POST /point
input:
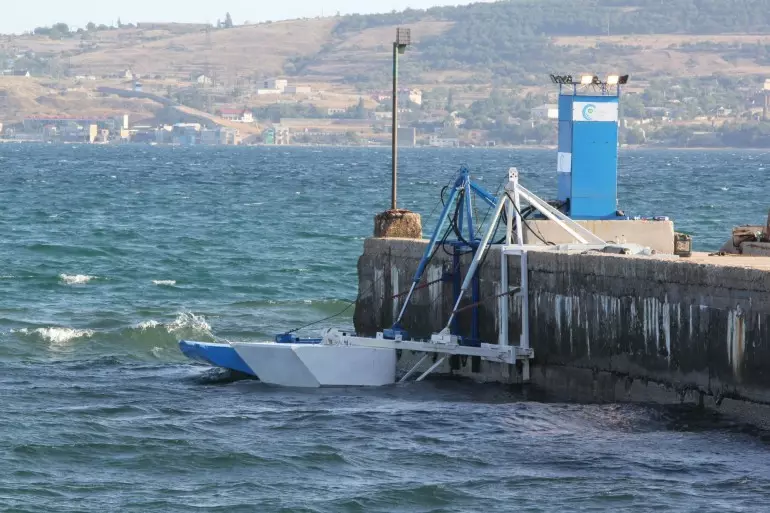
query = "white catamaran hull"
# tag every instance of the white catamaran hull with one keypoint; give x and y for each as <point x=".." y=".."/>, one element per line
<point x="318" y="365"/>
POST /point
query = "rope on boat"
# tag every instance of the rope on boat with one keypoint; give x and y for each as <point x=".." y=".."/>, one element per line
<point x="351" y="303"/>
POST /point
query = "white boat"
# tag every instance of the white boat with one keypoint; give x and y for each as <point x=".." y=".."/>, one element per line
<point x="318" y="365"/>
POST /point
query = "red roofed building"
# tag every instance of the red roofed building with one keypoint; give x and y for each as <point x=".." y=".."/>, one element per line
<point x="238" y="115"/>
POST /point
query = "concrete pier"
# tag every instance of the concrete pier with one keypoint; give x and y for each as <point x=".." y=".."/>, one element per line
<point x="603" y="327"/>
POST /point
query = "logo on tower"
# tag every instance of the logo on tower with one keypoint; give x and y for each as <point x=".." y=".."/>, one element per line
<point x="591" y="112"/>
<point x="588" y="112"/>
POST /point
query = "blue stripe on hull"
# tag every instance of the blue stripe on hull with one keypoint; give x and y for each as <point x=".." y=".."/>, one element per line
<point x="218" y="355"/>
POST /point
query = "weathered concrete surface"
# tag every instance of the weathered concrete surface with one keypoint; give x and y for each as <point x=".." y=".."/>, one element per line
<point x="603" y="327"/>
<point x="398" y="223"/>
<point x="756" y="249"/>
<point x="658" y="235"/>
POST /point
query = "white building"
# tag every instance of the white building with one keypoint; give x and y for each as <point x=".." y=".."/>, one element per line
<point x="547" y="111"/>
<point x="266" y="92"/>
<point x="203" y="80"/>
<point x="276" y="83"/>
<point x="237" y="115"/>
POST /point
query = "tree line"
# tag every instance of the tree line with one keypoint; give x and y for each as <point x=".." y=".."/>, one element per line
<point x="513" y="37"/>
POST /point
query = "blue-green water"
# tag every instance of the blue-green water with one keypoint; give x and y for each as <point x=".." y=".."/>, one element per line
<point x="109" y="255"/>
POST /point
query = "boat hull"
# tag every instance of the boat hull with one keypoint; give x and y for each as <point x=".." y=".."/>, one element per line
<point x="318" y="365"/>
<point x="216" y="354"/>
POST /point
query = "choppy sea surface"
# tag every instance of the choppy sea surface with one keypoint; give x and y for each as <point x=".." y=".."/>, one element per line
<point x="109" y="255"/>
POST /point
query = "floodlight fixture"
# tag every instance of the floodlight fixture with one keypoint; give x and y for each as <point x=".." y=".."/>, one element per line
<point x="403" y="38"/>
<point x="561" y="79"/>
<point x="623" y="80"/>
<point x="587" y="79"/>
<point x="613" y="80"/>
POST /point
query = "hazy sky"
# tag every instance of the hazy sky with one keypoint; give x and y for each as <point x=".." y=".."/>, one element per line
<point x="26" y="15"/>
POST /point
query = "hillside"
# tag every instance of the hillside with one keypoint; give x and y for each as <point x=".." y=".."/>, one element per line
<point x="522" y="36"/>
<point x="473" y="49"/>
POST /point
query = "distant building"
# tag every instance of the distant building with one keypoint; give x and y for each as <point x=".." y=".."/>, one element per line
<point x="128" y="74"/>
<point x="333" y="111"/>
<point x="21" y="73"/>
<point x="297" y="89"/>
<point x="276" y="83"/>
<point x="265" y="92"/>
<point x="237" y="115"/>
<point x="203" y="80"/>
<point x="277" y="134"/>
<point x="221" y="136"/>
<point x="443" y="142"/>
<point x="547" y="111"/>
<point x="185" y="134"/>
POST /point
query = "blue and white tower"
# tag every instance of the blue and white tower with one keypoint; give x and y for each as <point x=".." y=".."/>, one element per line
<point x="587" y="164"/>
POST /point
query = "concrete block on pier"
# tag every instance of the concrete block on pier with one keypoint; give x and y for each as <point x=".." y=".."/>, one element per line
<point x="657" y="235"/>
<point x="761" y="249"/>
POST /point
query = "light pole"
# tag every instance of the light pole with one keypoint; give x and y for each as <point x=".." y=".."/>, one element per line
<point x="403" y="39"/>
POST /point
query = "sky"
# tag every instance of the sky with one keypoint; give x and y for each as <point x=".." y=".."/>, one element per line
<point x="26" y="15"/>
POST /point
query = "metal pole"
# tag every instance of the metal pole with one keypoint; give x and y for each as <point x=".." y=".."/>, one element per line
<point x="395" y="126"/>
<point x="504" y="281"/>
<point x="432" y="368"/>
<point x="503" y="300"/>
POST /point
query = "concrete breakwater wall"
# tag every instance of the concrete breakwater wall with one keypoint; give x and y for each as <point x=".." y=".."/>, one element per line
<point x="603" y="327"/>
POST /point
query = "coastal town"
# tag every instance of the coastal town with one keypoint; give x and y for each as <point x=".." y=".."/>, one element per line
<point x="124" y="84"/>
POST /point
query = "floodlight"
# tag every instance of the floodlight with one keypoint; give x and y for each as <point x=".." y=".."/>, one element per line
<point x="623" y="80"/>
<point x="561" y="79"/>
<point x="587" y="80"/>
<point x="403" y="36"/>
<point x="613" y="80"/>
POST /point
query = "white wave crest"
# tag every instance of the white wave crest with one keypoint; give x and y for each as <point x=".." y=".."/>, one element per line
<point x="57" y="335"/>
<point x="146" y="325"/>
<point x="76" y="279"/>
<point x="167" y="283"/>
<point x="189" y="321"/>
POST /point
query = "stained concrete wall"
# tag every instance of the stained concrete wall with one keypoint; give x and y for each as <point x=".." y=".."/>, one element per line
<point x="603" y="327"/>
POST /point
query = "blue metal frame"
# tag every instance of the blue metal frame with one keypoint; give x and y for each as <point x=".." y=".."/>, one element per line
<point x="468" y="230"/>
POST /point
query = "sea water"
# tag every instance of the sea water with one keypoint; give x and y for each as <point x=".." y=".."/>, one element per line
<point x="109" y="255"/>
